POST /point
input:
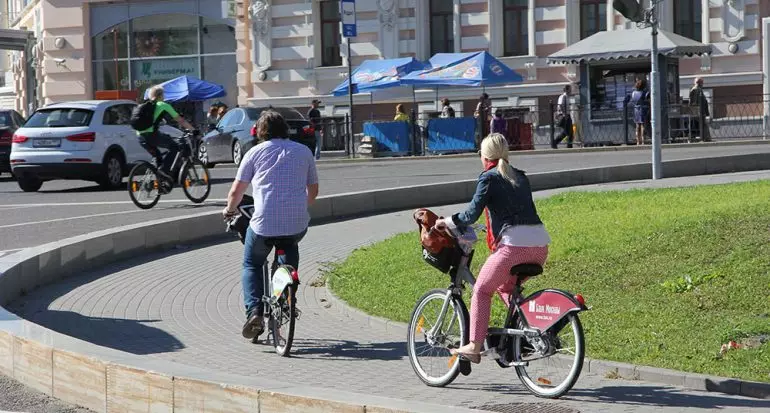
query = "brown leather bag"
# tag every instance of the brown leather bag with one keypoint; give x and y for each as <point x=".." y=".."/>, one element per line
<point x="431" y="239"/>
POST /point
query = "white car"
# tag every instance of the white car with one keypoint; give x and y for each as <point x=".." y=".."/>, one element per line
<point x="88" y="140"/>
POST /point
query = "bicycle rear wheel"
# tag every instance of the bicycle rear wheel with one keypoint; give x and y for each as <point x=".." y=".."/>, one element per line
<point x="282" y="321"/>
<point x="555" y="359"/>
<point x="195" y="181"/>
<point x="144" y="185"/>
<point x="428" y="344"/>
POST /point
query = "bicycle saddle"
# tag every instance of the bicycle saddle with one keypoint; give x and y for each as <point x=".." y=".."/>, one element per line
<point x="526" y="270"/>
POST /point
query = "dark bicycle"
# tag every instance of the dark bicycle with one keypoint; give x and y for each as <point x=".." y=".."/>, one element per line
<point x="280" y="281"/>
<point x="146" y="183"/>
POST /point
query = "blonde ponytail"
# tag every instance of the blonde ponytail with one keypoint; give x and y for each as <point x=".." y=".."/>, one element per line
<point x="495" y="148"/>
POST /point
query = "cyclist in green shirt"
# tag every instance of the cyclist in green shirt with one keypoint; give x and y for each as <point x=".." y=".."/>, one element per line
<point x="151" y="138"/>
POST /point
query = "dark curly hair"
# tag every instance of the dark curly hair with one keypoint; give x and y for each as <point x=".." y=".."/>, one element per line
<point x="271" y="125"/>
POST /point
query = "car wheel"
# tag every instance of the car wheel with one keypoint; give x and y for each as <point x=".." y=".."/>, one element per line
<point x="203" y="156"/>
<point x="29" y="183"/>
<point x="237" y="153"/>
<point x="112" y="174"/>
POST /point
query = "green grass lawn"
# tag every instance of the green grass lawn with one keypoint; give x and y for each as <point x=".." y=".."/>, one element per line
<point x="671" y="274"/>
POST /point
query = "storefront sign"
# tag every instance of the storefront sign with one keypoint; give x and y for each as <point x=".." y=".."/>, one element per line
<point x="147" y="72"/>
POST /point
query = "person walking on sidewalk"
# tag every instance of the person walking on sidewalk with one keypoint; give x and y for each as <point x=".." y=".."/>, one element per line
<point x="498" y="124"/>
<point x="314" y="116"/>
<point x="284" y="182"/>
<point x="698" y="99"/>
<point x="640" y="98"/>
<point x="563" y="119"/>
<point x="515" y="234"/>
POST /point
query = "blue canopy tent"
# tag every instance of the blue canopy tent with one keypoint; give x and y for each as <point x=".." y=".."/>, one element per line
<point x="379" y="74"/>
<point x="189" y="89"/>
<point x="459" y="69"/>
<point x="463" y="69"/>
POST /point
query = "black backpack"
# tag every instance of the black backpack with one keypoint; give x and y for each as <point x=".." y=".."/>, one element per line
<point x="143" y="116"/>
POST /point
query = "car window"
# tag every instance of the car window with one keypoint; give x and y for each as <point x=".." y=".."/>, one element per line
<point x="111" y="116"/>
<point x="6" y="119"/>
<point x="227" y="120"/>
<point x="60" y="118"/>
<point x="19" y="119"/>
<point x="238" y="117"/>
<point x="124" y="113"/>
<point x="289" y="113"/>
<point x="253" y="113"/>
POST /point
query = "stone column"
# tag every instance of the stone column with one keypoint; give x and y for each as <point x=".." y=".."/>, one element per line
<point x="610" y="16"/>
<point x="387" y="13"/>
<point x="243" y="48"/>
<point x="705" y="16"/>
<point x="496" y="45"/>
<point x="457" y="29"/>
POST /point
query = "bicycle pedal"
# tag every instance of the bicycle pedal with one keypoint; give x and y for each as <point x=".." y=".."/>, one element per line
<point x="465" y="367"/>
<point x="297" y="313"/>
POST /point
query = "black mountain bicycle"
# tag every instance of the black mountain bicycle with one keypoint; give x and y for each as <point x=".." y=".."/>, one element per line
<point x="146" y="183"/>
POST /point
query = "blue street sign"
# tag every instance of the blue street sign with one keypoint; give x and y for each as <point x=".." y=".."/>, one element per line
<point x="348" y="14"/>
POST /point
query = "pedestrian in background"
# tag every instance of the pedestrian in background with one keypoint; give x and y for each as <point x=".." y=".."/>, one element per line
<point x="447" y="111"/>
<point x="563" y="120"/>
<point x="314" y="116"/>
<point x="212" y="118"/>
<point x="401" y="115"/>
<point x="698" y="99"/>
<point x="498" y="124"/>
<point x="640" y="98"/>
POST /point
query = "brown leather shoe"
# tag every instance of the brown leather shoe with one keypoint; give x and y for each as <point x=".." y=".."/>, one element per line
<point x="253" y="327"/>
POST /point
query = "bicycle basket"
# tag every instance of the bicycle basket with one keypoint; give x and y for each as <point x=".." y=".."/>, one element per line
<point x="443" y="260"/>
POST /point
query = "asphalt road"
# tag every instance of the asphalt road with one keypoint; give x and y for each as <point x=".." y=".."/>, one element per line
<point x="64" y="209"/>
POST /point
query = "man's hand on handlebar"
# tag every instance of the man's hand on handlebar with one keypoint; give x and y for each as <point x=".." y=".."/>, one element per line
<point x="228" y="214"/>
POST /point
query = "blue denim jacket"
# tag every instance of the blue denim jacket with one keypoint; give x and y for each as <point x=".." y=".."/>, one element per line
<point x="508" y="205"/>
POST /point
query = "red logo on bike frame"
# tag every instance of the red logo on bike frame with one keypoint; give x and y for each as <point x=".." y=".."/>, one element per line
<point x="545" y="308"/>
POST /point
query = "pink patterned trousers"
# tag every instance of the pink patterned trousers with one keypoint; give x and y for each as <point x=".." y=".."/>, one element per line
<point x="494" y="277"/>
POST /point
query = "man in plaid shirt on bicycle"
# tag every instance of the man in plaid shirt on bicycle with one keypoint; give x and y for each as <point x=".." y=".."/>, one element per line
<point x="284" y="181"/>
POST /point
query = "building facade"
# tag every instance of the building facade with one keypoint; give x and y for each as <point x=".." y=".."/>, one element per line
<point x="285" y="52"/>
<point x="294" y="50"/>
<point x="85" y="46"/>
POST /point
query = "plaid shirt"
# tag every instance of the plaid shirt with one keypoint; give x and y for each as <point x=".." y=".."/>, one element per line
<point x="279" y="171"/>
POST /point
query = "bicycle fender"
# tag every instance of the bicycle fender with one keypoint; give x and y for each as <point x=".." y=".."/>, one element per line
<point x="281" y="279"/>
<point x="545" y="308"/>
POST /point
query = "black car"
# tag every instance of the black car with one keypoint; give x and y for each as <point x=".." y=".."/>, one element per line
<point x="233" y="135"/>
<point x="10" y="120"/>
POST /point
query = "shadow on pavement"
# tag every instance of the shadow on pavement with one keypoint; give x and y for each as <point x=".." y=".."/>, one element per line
<point x="97" y="188"/>
<point x="132" y="336"/>
<point x="664" y="397"/>
<point x="348" y="350"/>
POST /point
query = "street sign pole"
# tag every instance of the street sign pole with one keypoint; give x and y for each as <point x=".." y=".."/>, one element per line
<point x="349" y="30"/>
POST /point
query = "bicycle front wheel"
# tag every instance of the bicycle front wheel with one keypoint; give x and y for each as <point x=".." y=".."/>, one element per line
<point x="554" y="360"/>
<point x="282" y="320"/>
<point x="144" y="185"/>
<point x="429" y="343"/>
<point x="195" y="181"/>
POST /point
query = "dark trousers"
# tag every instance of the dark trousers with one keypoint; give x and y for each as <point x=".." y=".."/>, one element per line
<point x="566" y="132"/>
<point x="152" y="141"/>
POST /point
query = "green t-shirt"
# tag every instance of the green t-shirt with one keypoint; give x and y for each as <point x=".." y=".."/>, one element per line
<point x="161" y="108"/>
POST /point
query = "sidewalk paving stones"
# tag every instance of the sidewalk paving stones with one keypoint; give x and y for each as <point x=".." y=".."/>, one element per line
<point x="185" y="306"/>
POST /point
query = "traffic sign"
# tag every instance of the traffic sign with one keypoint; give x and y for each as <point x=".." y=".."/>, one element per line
<point x="348" y="13"/>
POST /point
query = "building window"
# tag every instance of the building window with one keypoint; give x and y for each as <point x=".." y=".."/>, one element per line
<point x="441" y="26"/>
<point x="516" y="27"/>
<point x="593" y="17"/>
<point x="330" y="34"/>
<point x="687" y="19"/>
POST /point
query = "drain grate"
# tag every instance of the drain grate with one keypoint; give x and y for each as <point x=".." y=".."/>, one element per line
<point x="526" y="408"/>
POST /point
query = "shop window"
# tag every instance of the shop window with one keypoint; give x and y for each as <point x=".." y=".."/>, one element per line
<point x="593" y="17"/>
<point x="164" y="35"/>
<point x="516" y="27"/>
<point x="441" y="26"/>
<point x="216" y="37"/>
<point x="111" y="75"/>
<point x="112" y="43"/>
<point x="687" y="19"/>
<point x="330" y="34"/>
